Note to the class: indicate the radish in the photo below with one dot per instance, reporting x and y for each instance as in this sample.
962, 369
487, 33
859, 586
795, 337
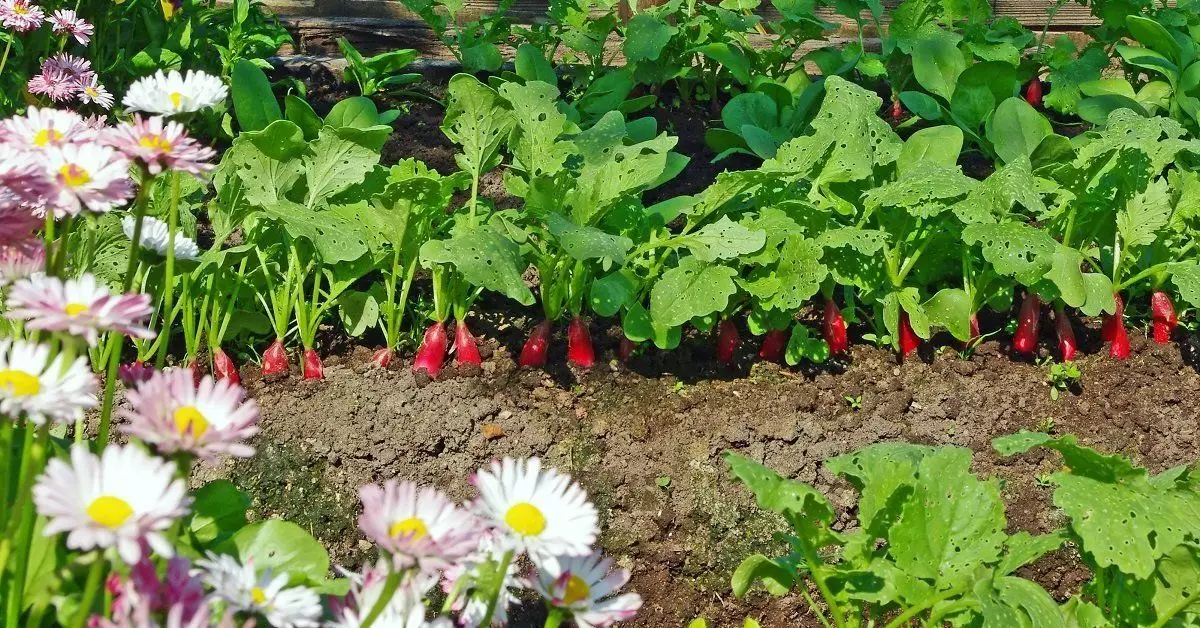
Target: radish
897, 109
579, 344
1108, 329
727, 341
625, 348
275, 359
224, 368
311, 365
774, 345
432, 353
1033, 92
834, 327
974, 330
1119, 349
1066, 336
1025, 340
466, 351
194, 367
382, 358
1162, 312
909, 340
535, 349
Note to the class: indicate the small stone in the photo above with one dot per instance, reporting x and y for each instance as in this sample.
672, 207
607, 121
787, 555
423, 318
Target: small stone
492, 431
504, 415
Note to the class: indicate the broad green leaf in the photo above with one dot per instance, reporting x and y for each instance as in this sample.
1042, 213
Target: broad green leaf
884, 474
478, 120
283, 547
218, 511
723, 239
299, 112
1023, 548
794, 500
939, 144
334, 165
804, 347
1014, 249
532, 66
1186, 277
951, 308
1066, 276
335, 239
730, 57
799, 271
646, 35
538, 125
359, 312
937, 61
1144, 215
1177, 586
1016, 602
585, 243
925, 190
1016, 128
775, 576
485, 259
612, 292
692, 289
253, 102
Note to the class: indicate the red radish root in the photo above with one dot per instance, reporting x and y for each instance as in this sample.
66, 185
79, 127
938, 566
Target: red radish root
194, 366
1066, 336
224, 368
1026, 337
311, 365
432, 353
897, 109
466, 351
1108, 329
275, 359
727, 341
909, 340
625, 348
1033, 92
833, 327
774, 345
533, 354
974, 338
579, 344
1162, 314
382, 357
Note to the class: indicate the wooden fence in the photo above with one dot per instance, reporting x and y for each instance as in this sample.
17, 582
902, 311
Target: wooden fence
377, 25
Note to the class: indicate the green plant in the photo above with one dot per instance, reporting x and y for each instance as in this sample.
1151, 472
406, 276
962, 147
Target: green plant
382, 73
473, 42
1061, 376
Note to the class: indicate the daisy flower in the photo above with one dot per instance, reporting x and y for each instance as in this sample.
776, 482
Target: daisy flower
470, 602
155, 236
73, 66
161, 145
23, 185
55, 85
119, 499
43, 389
142, 597
21, 259
541, 512
92, 92
418, 526
168, 94
265, 593
40, 128
65, 21
172, 413
580, 584
16, 222
406, 609
21, 15
86, 176
81, 307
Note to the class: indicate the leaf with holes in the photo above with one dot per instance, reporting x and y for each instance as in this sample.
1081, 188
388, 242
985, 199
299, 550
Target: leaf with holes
478, 120
334, 165
692, 289
335, 238
484, 258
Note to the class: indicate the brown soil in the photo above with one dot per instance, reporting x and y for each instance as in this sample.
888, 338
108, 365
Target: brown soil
646, 442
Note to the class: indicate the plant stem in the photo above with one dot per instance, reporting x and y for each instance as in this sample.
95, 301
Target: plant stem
555, 618
94, 578
26, 515
920, 608
494, 594
385, 597
169, 279
6, 449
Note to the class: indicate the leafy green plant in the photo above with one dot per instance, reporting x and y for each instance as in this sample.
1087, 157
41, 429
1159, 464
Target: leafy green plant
1062, 376
382, 73
759, 121
473, 42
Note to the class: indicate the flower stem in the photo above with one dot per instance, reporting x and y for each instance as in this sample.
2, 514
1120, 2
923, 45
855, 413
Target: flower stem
555, 618
169, 279
385, 597
6, 450
94, 578
497, 588
26, 516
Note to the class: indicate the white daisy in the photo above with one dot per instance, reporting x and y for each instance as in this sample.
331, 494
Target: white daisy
88, 176
174, 414
470, 602
43, 389
40, 128
172, 93
406, 609
120, 499
155, 236
541, 512
265, 593
418, 526
81, 307
21, 259
580, 584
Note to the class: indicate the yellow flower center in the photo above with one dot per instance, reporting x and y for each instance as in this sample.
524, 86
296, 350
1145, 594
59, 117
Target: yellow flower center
258, 595
75, 309
20, 9
46, 136
176, 99
577, 590
156, 142
110, 511
525, 519
74, 175
19, 383
411, 528
189, 419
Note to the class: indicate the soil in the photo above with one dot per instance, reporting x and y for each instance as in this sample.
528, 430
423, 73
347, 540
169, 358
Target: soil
646, 440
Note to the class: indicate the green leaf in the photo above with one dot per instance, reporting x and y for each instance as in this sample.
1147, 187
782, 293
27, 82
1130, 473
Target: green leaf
335, 239
723, 239
334, 165
646, 35
612, 292
218, 511
952, 523
485, 258
1177, 586
1186, 277
359, 312
1012, 601
254, 103
939, 144
937, 61
884, 474
794, 500
283, 547
478, 120
951, 308
777, 577
482, 57
532, 66
691, 289
300, 113
731, 58
1014, 249
1152, 35
1144, 215
585, 243
925, 106
803, 346
538, 125
1016, 129
1023, 548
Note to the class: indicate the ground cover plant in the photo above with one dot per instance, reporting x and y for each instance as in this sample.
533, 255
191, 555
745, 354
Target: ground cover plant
210, 217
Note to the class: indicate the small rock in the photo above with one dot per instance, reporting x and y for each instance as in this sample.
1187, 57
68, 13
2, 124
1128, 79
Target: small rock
492, 431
